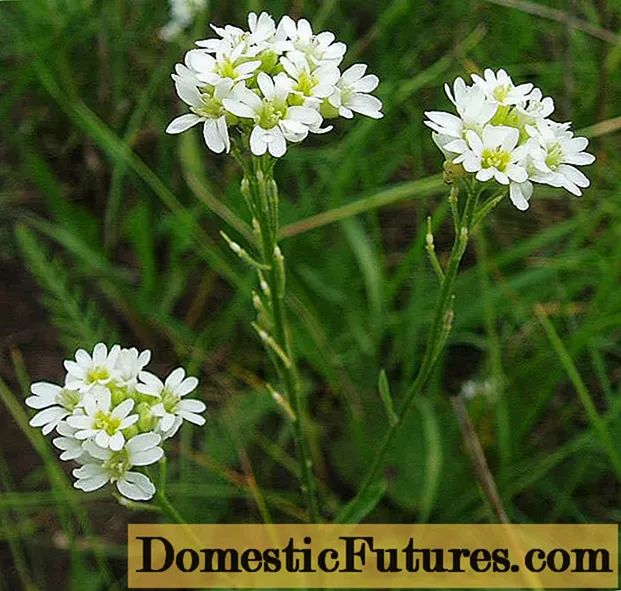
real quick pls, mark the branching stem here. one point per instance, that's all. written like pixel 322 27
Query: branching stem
pixel 442 323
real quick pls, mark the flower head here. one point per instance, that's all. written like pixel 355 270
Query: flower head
pixel 207 106
pixel 501 132
pixel 108 421
pixel 274 84
pixel 316 48
pixel 474 111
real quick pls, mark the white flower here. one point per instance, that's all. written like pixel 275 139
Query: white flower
pixel 537 107
pixel 262 35
pixel 56 402
pixel 262 28
pixel 487 388
pixel 86 371
pixel 102 423
pixel 106 465
pixel 71 447
pixel 275 121
pixel 207 107
pixel 442 140
pixel 229 63
pixel 520 194
pixel 272 84
pixel 182 14
pixel 316 84
pixel 351 93
pixel 94 420
pixel 502 132
pixel 473 108
pixel 556 156
pixel 317 48
pixel 494 155
pixel 130 363
pixel 499 88
pixel 172 408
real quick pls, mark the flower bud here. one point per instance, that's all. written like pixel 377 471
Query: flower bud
pixel 146 420
pixel 245 188
pixel 131 431
pixel 118 393
pixel 269 61
pixel 328 110
pixel 453 171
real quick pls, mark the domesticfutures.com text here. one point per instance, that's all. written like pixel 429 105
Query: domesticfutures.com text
pixel 356 554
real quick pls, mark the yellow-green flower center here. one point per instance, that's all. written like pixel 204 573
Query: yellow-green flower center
pixel 271 114
pixel 117 465
pixel 501 92
pixel 555 156
pixel 97 374
pixel 211 107
pixel 496 158
pixel 120 393
pixel 107 423
pixel 226 69
pixel 69 399
pixel 305 84
pixel 269 61
pixel 169 400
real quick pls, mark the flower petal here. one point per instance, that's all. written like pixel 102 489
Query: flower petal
pixel 182 123
pixel 136 486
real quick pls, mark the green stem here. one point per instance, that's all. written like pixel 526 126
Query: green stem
pixel 437 337
pixel 168 509
pixel 263 202
pixel 162 500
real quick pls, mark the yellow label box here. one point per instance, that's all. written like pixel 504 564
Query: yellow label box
pixel 373 556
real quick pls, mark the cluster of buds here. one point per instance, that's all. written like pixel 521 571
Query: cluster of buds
pixel 503 133
pixel 111 416
pixel 275 84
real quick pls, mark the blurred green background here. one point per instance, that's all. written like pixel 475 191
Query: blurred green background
pixel 109 232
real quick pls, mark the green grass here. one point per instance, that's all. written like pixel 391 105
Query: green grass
pixel 116 226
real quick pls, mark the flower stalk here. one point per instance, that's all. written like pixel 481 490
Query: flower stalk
pixel 261 194
pixel 442 324
pixel 162 500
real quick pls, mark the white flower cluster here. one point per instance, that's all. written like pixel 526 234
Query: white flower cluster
pixel 275 83
pixel 111 416
pixel 487 388
pixel 503 132
pixel 182 13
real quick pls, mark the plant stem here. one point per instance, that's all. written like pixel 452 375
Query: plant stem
pixel 477 457
pixel 168 509
pixel 162 500
pixel 262 197
pixel 441 327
